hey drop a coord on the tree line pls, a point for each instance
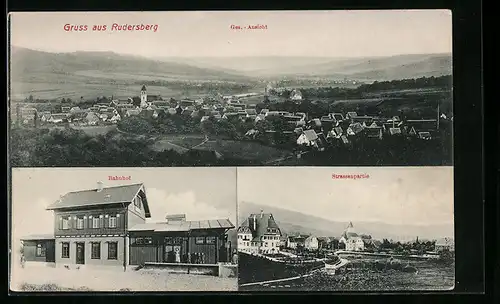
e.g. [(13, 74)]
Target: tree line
[(69, 147)]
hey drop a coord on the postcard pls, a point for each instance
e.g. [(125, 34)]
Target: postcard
[(346, 229), (231, 88), (115, 229)]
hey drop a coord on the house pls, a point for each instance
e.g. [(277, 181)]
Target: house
[(106, 227), (335, 132), (351, 240), (414, 127), (133, 112), (311, 243), (58, 118), (296, 95), (39, 248), (374, 132), (259, 233), (355, 244), (294, 242), (424, 135), (91, 226), (78, 115), (45, 116), (103, 117), (444, 244), (65, 109), (308, 138), (339, 117), (91, 118), (121, 102), (394, 131), (252, 133), (177, 240), (351, 115), (28, 116), (354, 129), (149, 113), (314, 123), (116, 118), (251, 111), (74, 109)]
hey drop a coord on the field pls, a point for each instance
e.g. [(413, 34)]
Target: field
[(37, 278), (244, 150), (59, 90), (95, 130)]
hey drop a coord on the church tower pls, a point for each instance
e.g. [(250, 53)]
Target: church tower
[(144, 97)]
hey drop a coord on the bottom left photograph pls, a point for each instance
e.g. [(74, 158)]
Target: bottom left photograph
[(123, 229)]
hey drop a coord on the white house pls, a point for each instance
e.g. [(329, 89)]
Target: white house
[(311, 243), (355, 244), (308, 138), (444, 244), (259, 233), (58, 118)]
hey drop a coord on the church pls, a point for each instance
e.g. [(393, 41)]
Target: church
[(147, 100)]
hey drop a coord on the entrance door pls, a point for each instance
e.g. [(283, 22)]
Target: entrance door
[(80, 253)]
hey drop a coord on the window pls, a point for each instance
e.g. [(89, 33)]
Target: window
[(40, 250), (79, 223), (112, 251), (96, 250), (137, 202), (199, 240), (168, 240), (95, 222), (143, 241), (112, 222), (65, 250), (65, 223), (210, 240)]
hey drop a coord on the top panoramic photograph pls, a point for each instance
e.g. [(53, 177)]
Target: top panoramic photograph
[(240, 88)]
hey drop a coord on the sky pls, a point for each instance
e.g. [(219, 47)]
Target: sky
[(392, 195), (200, 193), (209, 34)]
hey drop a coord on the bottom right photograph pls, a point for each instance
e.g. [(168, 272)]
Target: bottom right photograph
[(345, 229)]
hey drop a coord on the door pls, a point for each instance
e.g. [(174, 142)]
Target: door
[(80, 253)]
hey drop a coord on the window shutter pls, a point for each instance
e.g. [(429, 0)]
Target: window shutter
[(69, 222), (60, 225), (119, 219), (106, 221)]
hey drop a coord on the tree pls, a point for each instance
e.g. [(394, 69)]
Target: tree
[(30, 98)]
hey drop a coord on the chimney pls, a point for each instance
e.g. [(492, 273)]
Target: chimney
[(99, 186), (261, 213)]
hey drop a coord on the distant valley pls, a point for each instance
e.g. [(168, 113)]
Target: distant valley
[(92, 74)]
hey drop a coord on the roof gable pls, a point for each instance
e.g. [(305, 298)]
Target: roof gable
[(110, 195)]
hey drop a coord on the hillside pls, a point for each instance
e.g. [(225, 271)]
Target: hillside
[(370, 69), (293, 222), (26, 61), (55, 75)]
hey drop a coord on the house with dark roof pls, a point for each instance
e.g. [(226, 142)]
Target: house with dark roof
[(107, 226), (259, 233)]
